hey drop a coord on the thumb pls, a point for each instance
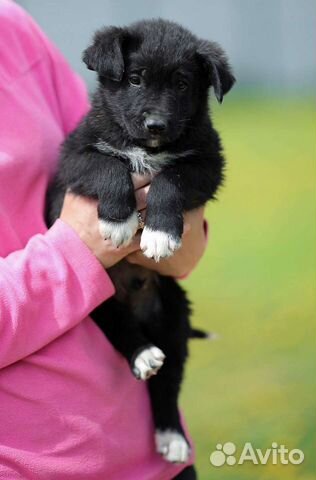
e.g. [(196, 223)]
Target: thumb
[(186, 228)]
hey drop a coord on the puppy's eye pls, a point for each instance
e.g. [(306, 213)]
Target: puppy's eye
[(182, 85), (135, 80)]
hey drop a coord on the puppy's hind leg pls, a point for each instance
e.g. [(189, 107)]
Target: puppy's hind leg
[(189, 473), (164, 388), (124, 332), (170, 438)]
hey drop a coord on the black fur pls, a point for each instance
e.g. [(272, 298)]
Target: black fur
[(154, 78), (189, 473)]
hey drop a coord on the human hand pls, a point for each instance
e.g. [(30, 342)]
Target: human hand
[(188, 255), (80, 213)]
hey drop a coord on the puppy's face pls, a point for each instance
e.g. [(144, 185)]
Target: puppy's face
[(154, 78), (155, 102)]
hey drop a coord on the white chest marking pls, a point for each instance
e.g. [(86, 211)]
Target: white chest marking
[(140, 160)]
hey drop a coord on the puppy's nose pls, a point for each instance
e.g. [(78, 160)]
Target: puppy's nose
[(155, 124)]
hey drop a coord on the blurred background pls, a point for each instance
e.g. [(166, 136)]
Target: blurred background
[(256, 285)]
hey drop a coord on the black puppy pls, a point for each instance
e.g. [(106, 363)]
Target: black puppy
[(149, 114)]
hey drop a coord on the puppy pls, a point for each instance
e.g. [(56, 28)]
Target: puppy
[(149, 115)]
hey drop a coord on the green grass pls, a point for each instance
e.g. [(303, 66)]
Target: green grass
[(256, 287)]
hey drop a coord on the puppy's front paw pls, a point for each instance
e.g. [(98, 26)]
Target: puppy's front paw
[(156, 244), (172, 446), (120, 233), (148, 362)]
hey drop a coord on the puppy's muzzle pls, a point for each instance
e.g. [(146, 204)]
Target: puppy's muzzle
[(155, 124)]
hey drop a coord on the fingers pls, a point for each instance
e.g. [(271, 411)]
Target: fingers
[(137, 257), (141, 195), (140, 181), (186, 228), (78, 209), (195, 216), (193, 220)]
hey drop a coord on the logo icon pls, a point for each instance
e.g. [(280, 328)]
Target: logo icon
[(223, 454)]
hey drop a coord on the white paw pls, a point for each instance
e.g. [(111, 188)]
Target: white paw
[(172, 446), (157, 245), (120, 233), (148, 362)]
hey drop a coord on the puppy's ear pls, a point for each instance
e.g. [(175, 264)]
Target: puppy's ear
[(217, 68), (105, 55)]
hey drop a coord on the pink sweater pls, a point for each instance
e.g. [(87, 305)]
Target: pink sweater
[(69, 406)]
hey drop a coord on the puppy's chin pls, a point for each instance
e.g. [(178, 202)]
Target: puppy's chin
[(154, 142), (142, 140)]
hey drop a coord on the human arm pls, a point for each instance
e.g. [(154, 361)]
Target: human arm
[(57, 279), (45, 289)]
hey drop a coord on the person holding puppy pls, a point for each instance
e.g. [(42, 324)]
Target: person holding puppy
[(69, 406)]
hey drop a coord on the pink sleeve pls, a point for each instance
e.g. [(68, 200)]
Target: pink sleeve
[(70, 90), (46, 289)]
